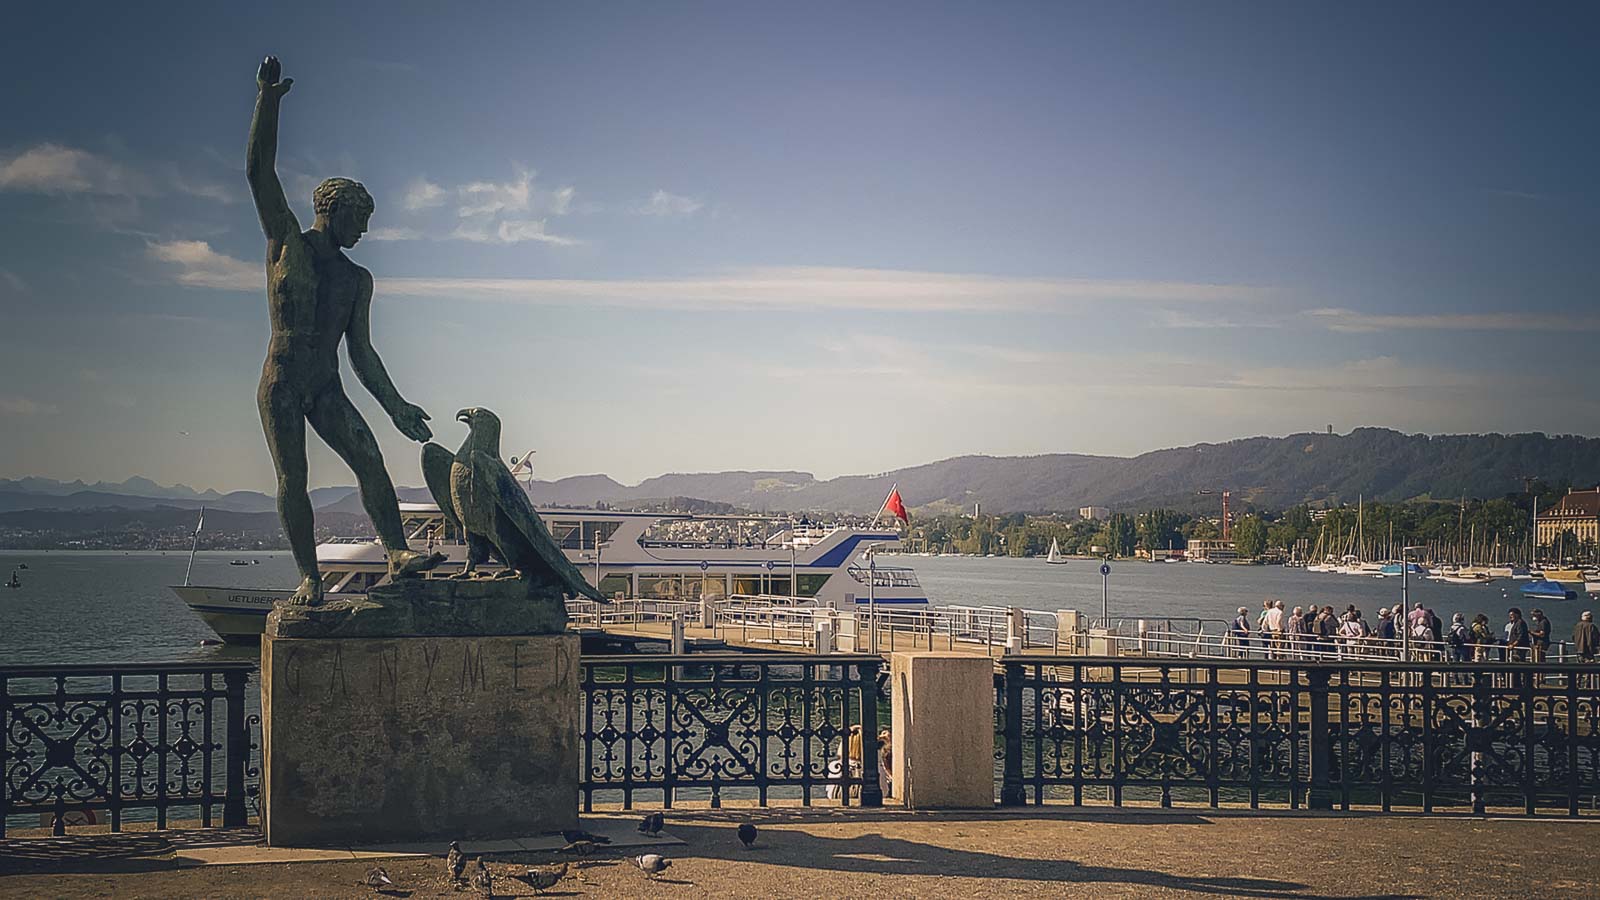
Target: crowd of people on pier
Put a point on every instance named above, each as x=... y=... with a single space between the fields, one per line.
x=1320 y=632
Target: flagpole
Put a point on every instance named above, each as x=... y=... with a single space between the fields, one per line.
x=892 y=488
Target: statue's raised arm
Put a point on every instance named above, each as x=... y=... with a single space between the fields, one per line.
x=261 y=158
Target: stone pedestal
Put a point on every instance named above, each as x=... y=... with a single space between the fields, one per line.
x=384 y=738
x=941 y=761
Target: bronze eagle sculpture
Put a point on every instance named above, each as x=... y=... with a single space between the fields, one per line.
x=480 y=497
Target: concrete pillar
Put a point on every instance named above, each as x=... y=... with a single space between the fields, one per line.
x=826 y=624
x=1016 y=630
x=678 y=643
x=847 y=636
x=943 y=735
x=1068 y=624
x=708 y=613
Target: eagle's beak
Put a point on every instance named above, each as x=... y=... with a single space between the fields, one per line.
x=464 y=415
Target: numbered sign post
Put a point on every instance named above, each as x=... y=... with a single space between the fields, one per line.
x=1105 y=594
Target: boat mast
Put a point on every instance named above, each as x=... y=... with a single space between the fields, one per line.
x=194 y=545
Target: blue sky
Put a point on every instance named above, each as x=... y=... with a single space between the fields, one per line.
x=831 y=237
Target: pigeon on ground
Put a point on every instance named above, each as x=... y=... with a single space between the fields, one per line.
x=582 y=848
x=747 y=835
x=573 y=835
x=652 y=864
x=483 y=880
x=455 y=863
x=652 y=824
x=541 y=878
x=378 y=879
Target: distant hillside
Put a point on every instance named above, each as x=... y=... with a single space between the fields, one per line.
x=1268 y=473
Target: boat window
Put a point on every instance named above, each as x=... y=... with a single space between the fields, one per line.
x=612 y=585
x=747 y=585
x=330 y=580
x=598 y=532
x=809 y=585
x=568 y=535
x=662 y=587
x=714 y=587
x=777 y=585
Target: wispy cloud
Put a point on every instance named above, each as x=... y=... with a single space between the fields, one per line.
x=817 y=287
x=666 y=205
x=11 y=405
x=197 y=265
x=1353 y=321
x=795 y=287
x=57 y=169
x=12 y=283
x=510 y=231
x=424 y=194
x=492 y=212
x=392 y=233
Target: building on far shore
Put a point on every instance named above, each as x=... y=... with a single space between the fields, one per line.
x=1577 y=512
x=1094 y=513
x=1213 y=550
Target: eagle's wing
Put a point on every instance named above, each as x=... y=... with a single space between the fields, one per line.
x=436 y=462
x=514 y=503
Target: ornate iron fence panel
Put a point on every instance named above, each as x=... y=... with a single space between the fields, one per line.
x=707 y=724
x=92 y=741
x=1428 y=736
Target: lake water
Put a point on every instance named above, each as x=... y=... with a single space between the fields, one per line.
x=115 y=607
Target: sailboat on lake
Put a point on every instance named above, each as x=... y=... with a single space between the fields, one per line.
x=1055 y=558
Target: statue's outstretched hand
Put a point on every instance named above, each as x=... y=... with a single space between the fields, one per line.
x=413 y=422
x=269 y=78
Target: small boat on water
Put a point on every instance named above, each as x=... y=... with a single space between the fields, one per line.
x=1466 y=578
x=244 y=562
x=1565 y=576
x=1548 y=590
x=1055 y=558
x=1509 y=572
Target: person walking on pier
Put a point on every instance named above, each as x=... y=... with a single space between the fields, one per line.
x=1239 y=632
x=1459 y=638
x=1295 y=632
x=1516 y=636
x=1482 y=638
x=1539 y=635
x=1586 y=638
x=1386 y=632
x=1272 y=627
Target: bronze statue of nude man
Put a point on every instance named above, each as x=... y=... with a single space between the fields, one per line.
x=317 y=297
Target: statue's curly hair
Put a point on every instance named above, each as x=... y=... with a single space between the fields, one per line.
x=336 y=193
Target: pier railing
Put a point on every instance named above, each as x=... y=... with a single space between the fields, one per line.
x=81 y=742
x=715 y=726
x=1424 y=736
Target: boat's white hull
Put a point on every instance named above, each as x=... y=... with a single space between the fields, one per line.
x=825 y=567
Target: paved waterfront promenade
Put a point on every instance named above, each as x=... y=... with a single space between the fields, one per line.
x=893 y=853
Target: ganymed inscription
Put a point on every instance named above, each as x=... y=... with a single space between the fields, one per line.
x=383 y=672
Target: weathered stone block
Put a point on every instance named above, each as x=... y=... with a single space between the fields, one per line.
x=940 y=759
x=370 y=740
x=438 y=606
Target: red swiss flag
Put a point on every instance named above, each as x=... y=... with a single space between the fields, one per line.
x=896 y=506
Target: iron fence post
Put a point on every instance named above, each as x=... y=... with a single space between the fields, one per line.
x=871 y=790
x=233 y=814
x=1011 y=790
x=1320 y=794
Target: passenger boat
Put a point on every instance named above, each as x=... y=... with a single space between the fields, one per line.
x=624 y=554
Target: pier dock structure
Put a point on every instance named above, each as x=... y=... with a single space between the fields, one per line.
x=779 y=624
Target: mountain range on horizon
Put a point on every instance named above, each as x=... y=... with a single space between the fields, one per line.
x=1262 y=472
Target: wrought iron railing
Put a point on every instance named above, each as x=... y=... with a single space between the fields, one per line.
x=86 y=741
x=718 y=726
x=1419 y=735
